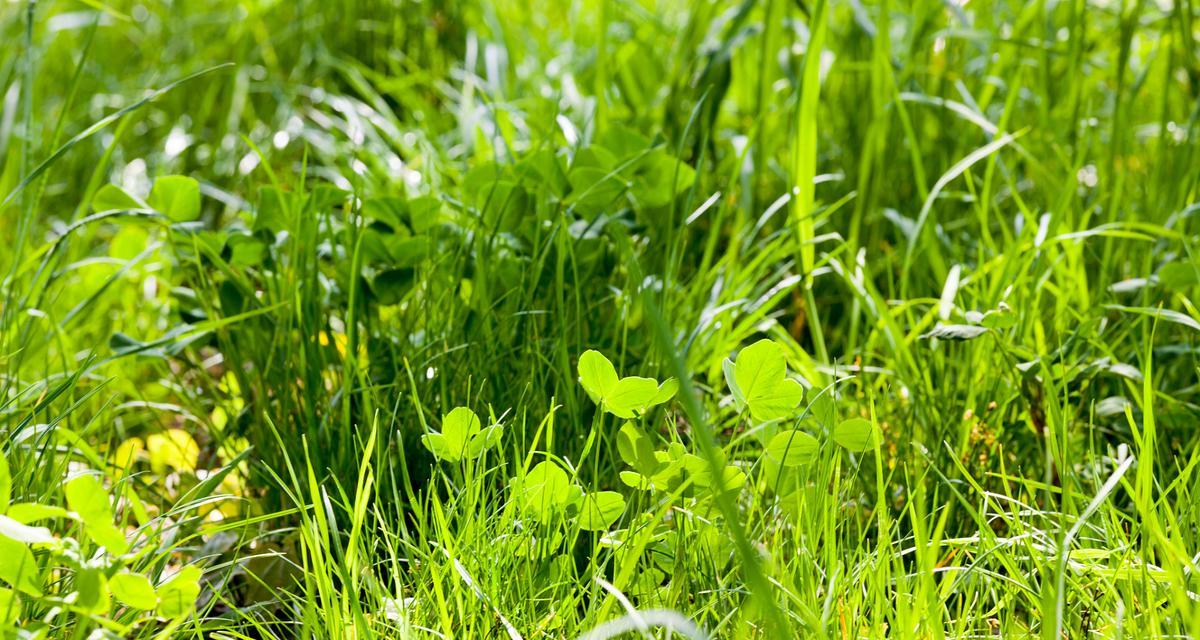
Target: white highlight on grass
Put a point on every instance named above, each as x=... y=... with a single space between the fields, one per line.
x=702 y=208
x=643 y=621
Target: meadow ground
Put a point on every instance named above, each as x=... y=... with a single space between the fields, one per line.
x=742 y=318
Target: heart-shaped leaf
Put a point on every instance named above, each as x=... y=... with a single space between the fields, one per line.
x=10 y=607
x=177 y=197
x=630 y=395
x=91 y=591
x=597 y=375
x=758 y=379
x=111 y=197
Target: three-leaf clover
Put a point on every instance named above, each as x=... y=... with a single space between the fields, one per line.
x=622 y=397
x=546 y=491
x=758 y=381
x=461 y=436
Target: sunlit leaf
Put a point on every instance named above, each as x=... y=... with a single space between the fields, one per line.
x=111 y=197
x=630 y=395
x=172 y=449
x=597 y=375
x=636 y=449
x=91 y=591
x=600 y=510
x=87 y=497
x=10 y=607
x=760 y=378
x=177 y=197
x=793 y=448
x=18 y=567
x=545 y=491
x=134 y=590
x=178 y=596
x=857 y=434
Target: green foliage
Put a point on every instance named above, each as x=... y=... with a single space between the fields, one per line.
x=461 y=436
x=622 y=397
x=924 y=275
x=758 y=381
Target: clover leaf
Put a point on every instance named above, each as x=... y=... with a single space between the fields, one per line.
x=857 y=434
x=600 y=510
x=547 y=491
x=87 y=497
x=792 y=448
x=622 y=397
x=461 y=436
x=758 y=380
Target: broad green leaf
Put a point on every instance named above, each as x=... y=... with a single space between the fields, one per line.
x=997 y=319
x=666 y=391
x=484 y=440
x=18 y=568
x=128 y=242
x=457 y=427
x=110 y=197
x=630 y=395
x=597 y=375
x=177 y=197
x=91 y=591
x=461 y=436
x=636 y=449
x=759 y=376
x=15 y=530
x=600 y=510
x=87 y=497
x=10 y=607
x=178 y=596
x=778 y=403
x=857 y=434
x=391 y=285
x=792 y=448
x=546 y=490
x=134 y=590
x=436 y=443
x=759 y=367
x=635 y=480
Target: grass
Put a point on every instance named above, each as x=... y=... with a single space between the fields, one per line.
x=258 y=253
